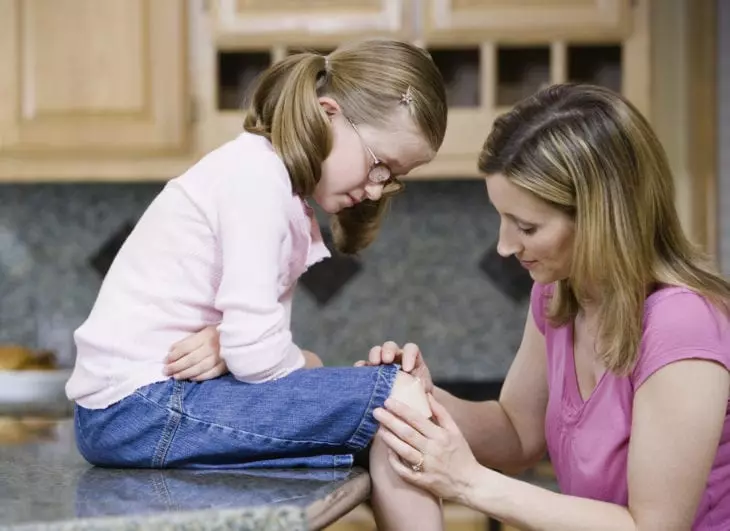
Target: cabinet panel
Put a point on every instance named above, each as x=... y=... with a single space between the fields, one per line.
x=468 y=74
x=492 y=53
x=293 y=21
x=446 y=20
x=92 y=77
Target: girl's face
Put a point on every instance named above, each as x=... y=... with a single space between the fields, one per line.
x=362 y=155
x=538 y=234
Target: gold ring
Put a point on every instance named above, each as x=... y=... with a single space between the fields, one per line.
x=418 y=467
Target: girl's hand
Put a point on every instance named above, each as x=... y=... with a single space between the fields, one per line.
x=435 y=457
x=197 y=357
x=409 y=358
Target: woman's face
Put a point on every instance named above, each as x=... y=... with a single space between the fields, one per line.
x=538 y=234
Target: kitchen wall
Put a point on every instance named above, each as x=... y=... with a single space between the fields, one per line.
x=433 y=276
x=723 y=91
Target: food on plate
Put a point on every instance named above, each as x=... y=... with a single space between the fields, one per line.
x=19 y=358
x=26 y=430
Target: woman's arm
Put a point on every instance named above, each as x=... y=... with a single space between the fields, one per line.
x=509 y=434
x=678 y=416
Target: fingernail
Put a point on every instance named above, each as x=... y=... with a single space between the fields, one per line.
x=388 y=402
x=377 y=412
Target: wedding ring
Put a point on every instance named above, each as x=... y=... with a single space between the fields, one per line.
x=418 y=467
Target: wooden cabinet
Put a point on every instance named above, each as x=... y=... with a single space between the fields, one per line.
x=487 y=78
x=139 y=89
x=492 y=53
x=314 y=22
x=129 y=90
x=84 y=84
x=475 y=20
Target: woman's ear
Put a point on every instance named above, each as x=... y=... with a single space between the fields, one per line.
x=330 y=106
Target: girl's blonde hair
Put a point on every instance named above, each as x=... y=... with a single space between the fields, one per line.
x=368 y=79
x=589 y=152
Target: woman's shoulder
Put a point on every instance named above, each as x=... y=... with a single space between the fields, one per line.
x=681 y=308
x=679 y=324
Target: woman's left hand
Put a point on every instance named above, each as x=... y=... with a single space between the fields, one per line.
x=447 y=465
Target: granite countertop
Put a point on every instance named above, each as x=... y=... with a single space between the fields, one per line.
x=45 y=485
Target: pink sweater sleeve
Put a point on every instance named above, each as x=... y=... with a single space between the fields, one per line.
x=252 y=223
x=680 y=324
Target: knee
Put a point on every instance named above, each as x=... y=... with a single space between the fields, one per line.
x=409 y=390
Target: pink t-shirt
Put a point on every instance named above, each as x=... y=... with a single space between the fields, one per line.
x=588 y=441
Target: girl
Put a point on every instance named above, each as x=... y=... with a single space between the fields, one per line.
x=224 y=244
x=623 y=369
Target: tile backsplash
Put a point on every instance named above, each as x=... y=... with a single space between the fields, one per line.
x=432 y=277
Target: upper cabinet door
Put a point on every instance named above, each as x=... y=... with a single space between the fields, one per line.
x=454 y=20
x=266 y=22
x=92 y=77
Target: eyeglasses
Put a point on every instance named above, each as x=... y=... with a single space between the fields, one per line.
x=379 y=171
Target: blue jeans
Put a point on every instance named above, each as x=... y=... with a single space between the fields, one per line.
x=314 y=418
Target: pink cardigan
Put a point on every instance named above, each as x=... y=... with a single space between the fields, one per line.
x=222 y=244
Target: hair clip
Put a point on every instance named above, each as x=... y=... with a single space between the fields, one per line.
x=407 y=97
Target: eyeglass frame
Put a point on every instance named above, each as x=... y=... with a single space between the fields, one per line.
x=377 y=163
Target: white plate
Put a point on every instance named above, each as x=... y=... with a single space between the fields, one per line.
x=34 y=387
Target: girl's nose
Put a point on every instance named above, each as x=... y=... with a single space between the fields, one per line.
x=374 y=191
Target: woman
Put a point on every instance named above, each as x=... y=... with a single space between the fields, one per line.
x=622 y=373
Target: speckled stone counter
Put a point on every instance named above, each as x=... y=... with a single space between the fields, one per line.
x=45 y=485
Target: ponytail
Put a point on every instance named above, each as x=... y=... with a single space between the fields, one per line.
x=284 y=108
x=353 y=229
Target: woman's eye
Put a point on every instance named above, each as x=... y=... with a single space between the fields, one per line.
x=526 y=230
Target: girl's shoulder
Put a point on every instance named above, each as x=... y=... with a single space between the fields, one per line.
x=246 y=164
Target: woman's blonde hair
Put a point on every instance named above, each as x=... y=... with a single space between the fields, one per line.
x=589 y=152
x=368 y=79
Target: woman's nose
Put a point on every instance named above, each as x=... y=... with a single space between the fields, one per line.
x=508 y=243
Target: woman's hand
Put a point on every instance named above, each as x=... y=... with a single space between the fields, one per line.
x=409 y=358
x=433 y=456
x=197 y=357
